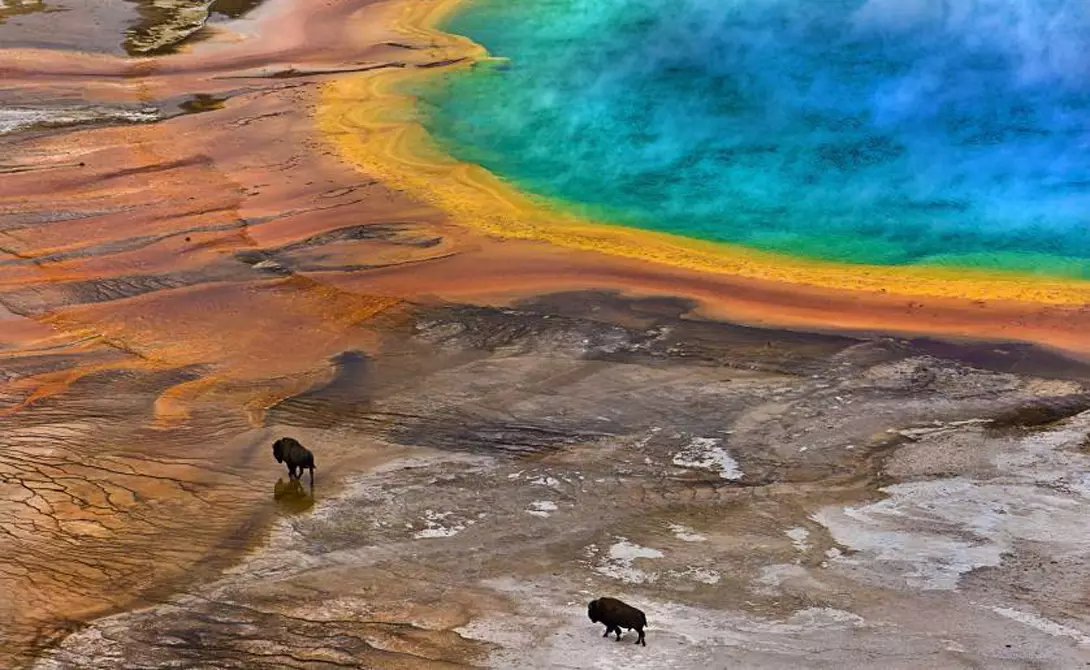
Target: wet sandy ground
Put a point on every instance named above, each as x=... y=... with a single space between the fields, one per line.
x=188 y=270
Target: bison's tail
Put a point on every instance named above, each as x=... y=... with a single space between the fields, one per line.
x=643 y=619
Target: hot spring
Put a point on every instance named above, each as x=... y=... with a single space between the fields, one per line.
x=894 y=132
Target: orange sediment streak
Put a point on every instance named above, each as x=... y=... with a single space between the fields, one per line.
x=371 y=121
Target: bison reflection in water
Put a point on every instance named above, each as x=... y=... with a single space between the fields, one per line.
x=292 y=496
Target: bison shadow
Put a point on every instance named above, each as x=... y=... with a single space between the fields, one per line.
x=292 y=496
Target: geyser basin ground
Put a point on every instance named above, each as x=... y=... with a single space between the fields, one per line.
x=177 y=292
x=856 y=131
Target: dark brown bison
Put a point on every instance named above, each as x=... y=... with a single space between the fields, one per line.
x=288 y=451
x=617 y=615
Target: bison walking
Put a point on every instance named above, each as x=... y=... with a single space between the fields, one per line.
x=288 y=451
x=617 y=615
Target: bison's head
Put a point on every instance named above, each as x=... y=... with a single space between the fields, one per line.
x=278 y=450
x=592 y=611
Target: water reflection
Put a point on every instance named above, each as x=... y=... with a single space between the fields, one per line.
x=10 y=8
x=292 y=496
x=165 y=24
x=201 y=102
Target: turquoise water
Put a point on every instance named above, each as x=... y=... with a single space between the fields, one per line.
x=877 y=131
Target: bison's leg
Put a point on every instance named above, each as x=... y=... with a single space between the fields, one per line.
x=640 y=639
x=617 y=629
x=311 y=477
x=609 y=629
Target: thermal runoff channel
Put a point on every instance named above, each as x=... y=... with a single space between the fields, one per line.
x=950 y=132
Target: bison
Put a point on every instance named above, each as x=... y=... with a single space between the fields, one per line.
x=617 y=615
x=288 y=451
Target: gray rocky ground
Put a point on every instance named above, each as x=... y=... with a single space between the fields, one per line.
x=770 y=499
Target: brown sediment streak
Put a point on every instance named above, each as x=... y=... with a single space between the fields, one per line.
x=370 y=120
x=502 y=274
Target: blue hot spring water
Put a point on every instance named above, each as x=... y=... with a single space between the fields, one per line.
x=948 y=132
